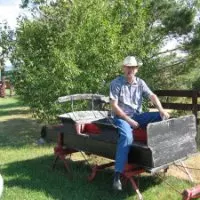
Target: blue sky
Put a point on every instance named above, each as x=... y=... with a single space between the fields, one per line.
x=9 y=11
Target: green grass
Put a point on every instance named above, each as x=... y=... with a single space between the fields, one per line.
x=27 y=173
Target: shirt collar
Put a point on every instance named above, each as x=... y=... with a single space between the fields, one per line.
x=133 y=83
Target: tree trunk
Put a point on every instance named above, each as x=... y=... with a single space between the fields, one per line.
x=2 y=84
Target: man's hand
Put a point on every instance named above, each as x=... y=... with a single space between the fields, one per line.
x=118 y=111
x=164 y=114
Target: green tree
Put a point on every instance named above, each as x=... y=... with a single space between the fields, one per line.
x=191 y=69
x=75 y=46
x=6 y=45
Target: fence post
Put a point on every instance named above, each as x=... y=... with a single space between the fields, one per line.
x=194 y=103
x=194 y=111
x=195 y=108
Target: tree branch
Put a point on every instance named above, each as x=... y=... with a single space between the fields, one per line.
x=174 y=64
x=163 y=52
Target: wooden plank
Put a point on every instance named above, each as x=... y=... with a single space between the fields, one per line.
x=172 y=139
x=75 y=97
x=89 y=144
x=177 y=93
x=174 y=93
x=177 y=106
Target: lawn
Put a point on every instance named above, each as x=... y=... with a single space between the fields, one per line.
x=27 y=173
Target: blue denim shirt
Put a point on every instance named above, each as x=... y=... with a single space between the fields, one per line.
x=129 y=96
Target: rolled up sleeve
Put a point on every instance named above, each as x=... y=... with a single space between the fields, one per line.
x=146 y=91
x=114 y=91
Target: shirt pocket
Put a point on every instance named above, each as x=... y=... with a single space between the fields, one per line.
x=123 y=95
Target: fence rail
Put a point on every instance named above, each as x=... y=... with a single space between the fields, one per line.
x=193 y=94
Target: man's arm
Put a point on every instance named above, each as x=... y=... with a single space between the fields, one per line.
x=154 y=99
x=119 y=112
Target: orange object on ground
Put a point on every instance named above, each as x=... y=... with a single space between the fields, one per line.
x=192 y=193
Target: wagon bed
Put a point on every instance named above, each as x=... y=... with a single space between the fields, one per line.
x=167 y=141
x=162 y=144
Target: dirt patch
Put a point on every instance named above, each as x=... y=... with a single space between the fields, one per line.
x=193 y=166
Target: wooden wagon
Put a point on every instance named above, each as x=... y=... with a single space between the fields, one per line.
x=154 y=148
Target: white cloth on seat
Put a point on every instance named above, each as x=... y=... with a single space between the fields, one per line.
x=1 y=185
x=85 y=116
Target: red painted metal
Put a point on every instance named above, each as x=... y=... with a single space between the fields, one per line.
x=61 y=152
x=97 y=168
x=132 y=170
x=128 y=173
x=192 y=193
x=140 y=135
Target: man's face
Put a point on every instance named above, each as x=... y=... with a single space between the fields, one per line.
x=129 y=72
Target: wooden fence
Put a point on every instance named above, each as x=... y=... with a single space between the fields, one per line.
x=193 y=106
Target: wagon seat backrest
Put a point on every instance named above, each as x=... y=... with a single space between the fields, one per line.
x=83 y=120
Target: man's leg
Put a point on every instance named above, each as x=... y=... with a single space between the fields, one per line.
x=147 y=117
x=124 y=142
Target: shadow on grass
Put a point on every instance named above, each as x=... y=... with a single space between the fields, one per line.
x=13 y=112
x=37 y=175
x=18 y=132
x=11 y=105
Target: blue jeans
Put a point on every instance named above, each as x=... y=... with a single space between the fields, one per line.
x=126 y=137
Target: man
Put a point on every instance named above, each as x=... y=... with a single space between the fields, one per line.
x=126 y=95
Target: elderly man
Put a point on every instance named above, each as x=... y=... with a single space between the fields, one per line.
x=126 y=95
